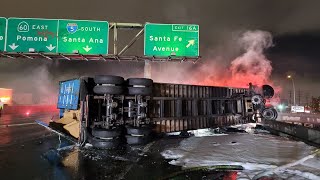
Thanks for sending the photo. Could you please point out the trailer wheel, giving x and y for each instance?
(108, 79)
(104, 144)
(275, 113)
(140, 82)
(106, 133)
(137, 140)
(141, 131)
(268, 91)
(269, 114)
(144, 91)
(256, 99)
(108, 89)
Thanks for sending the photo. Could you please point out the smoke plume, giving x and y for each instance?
(32, 86)
(252, 65)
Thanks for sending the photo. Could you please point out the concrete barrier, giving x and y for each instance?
(303, 133)
(299, 118)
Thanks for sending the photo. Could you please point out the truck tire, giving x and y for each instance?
(144, 91)
(108, 89)
(105, 133)
(141, 131)
(256, 99)
(137, 140)
(140, 82)
(108, 79)
(269, 114)
(104, 144)
(276, 113)
(268, 91)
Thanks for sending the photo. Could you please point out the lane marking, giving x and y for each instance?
(13, 125)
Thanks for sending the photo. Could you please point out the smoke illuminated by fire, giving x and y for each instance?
(251, 66)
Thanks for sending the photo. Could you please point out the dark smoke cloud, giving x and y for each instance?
(273, 15)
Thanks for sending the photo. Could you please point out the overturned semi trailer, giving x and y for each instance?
(178, 107)
(108, 110)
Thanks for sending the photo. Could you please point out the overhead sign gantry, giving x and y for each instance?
(89, 40)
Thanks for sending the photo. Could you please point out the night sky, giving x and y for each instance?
(294, 25)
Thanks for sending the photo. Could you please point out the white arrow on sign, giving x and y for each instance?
(190, 42)
(87, 48)
(13, 46)
(50, 47)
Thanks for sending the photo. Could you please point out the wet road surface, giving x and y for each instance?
(21, 127)
(31, 152)
(257, 153)
(16, 119)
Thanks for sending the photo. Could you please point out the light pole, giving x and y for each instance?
(294, 89)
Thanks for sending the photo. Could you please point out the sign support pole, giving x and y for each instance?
(147, 69)
(131, 42)
(115, 39)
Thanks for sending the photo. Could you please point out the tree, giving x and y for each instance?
(315, 102)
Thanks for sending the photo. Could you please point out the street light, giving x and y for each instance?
(294, 89)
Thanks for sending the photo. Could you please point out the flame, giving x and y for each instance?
(5, 99)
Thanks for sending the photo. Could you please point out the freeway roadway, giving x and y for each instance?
(16, 128)
(29, 151)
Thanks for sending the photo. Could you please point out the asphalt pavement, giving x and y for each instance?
(29, 151)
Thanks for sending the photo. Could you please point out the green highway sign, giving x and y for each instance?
(83, 36)
(171, 40)
(55, 36)
(3, 26)
(30, 34)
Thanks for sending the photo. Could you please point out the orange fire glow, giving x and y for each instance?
(5, 99)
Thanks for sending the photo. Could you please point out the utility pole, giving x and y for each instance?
(299, 97)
